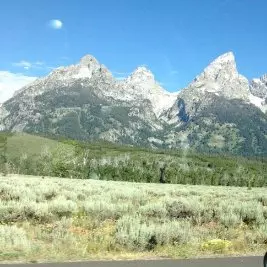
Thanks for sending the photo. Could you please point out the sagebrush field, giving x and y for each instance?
(44, 218)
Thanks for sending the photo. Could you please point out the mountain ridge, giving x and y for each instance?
(85, 101)
(89, 64)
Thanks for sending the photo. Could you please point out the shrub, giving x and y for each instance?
(37, 212)
(8, 192)
(251, 212)
(60, 169)
(230, 219)
(13, 238)
(259, 235)
(181, 208)
(10, 212)
(62, 207)
(153, 210)
(137, 233)
(104, 210)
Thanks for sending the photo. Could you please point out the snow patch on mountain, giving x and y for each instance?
(257, 101)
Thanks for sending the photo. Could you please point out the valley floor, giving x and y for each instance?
(60, 219)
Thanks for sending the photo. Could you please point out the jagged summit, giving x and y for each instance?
(141, 84)
(222, 78)
(221, 69)
(141, 75)
(142, 70)
(84, 69)
(263, 79)
(225, 62)
(87, 60)
(226, 57)
(85, 102)
(91, 75)
(258, 86)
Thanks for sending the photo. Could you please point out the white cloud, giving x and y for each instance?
(39, 63)
(55, 24)
(24, 64)
(11, 82)
(29, 65)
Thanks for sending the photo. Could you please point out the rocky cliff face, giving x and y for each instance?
(258, 95)
(222, 78)
(220, 111)
(84, 101)
(139, 86)
(259, 87)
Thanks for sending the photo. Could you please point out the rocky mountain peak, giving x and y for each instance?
(142, 70)
(258, 86)
(264, 78)
(87, 66)
(222, 78)
(85, 69)
(84, 101)
(228, 57)
(221, 69)
(89, 61)
(141, 75)
(261, 80)
(140, 85)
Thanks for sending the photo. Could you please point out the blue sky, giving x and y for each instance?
(175, 39)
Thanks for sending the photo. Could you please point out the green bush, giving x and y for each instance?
(181, 208)
(153, 210)
(62, 207)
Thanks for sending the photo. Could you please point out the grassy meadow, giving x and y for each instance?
(55, 219)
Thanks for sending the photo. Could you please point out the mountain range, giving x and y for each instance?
(219, 111)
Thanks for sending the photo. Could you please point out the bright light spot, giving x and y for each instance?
(55, 24)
